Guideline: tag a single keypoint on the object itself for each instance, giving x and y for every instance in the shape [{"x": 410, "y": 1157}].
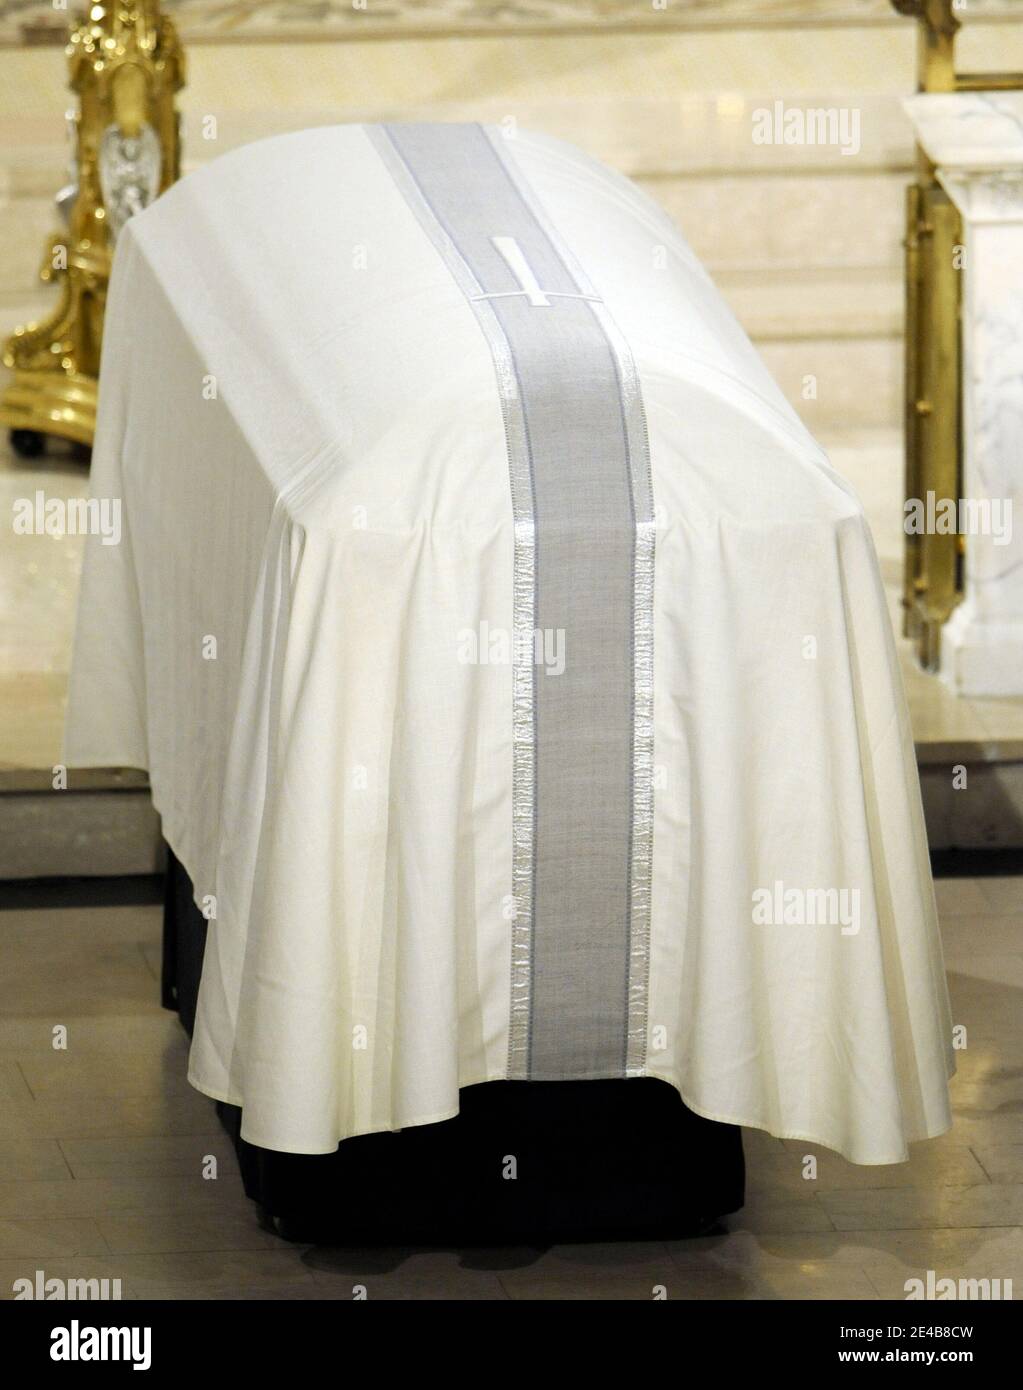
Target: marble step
[
  {"x": 857, "y": 383},
  {"x": 662, "y": 134},
  {"x": 832, "y": 339},
  {"x": 114, "y": 830},
  {"x": 661, "y": 97},
  {"x": 813, "y": 303},
  {"x": 668, "y": 130},
  {"x": 773, "y": 305},
  {"x": 407, "y": 69},
  {"x": 757, "y": 222}
]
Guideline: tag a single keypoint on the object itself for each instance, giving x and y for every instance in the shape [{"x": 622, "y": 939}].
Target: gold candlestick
[{"x": 125, "y": 66}]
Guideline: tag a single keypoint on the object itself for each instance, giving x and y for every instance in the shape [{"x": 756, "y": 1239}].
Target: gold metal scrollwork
[{"x": 126, "y": 66}]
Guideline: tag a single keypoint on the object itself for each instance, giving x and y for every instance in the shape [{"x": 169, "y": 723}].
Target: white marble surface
[{"x": 969, "y": 130}]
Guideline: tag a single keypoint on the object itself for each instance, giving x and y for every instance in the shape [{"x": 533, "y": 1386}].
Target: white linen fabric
[{"x": 381, "y": 802}]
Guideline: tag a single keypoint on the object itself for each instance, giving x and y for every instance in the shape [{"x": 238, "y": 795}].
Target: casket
[
  {"x": 538, "y": 1163},
  {"x": 512, "y": 670}
]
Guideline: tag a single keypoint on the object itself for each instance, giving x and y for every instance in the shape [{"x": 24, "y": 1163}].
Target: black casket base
[{"x": 523, "y": 1162}]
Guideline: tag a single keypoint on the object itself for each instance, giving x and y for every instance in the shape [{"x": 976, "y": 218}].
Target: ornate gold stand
[
  {"x": 932, "y": 578},
  {"x": 125, "y": 66}
]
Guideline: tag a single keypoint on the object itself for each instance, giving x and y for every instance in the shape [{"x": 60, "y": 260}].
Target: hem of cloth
[{"x": 226, "y": 1098}]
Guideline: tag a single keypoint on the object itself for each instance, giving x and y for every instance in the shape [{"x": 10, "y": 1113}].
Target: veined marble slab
[{"x": 970, "y": 131}]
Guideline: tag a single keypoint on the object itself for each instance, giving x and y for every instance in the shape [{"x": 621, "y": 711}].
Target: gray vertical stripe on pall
[{"x": 572, "y": 444}]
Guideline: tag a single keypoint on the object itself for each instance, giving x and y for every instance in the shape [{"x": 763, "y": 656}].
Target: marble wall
[{"x": 28, "y": 21}]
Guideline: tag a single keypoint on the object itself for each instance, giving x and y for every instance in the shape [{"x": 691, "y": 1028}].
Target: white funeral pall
[{"x": 512, "y": 671}]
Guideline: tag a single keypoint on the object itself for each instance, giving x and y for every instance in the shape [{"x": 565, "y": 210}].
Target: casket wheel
[{"x": 27, "y": 444}]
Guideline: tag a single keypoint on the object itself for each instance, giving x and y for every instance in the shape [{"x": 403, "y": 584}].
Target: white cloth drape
[{"x": 299, "y": 414}]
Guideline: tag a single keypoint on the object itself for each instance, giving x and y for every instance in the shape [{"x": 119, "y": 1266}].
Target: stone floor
[{"x": 101, "y": 1147}]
